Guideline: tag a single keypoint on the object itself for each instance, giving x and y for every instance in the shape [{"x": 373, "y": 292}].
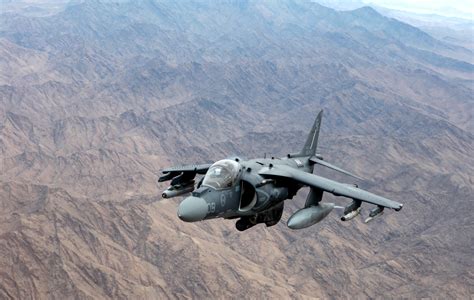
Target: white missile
[
  {"x": 174, "y": 191},
  {"x": 352, "y": 210},
  {"x": 375, "y": 213},
  {"x": 351, "y": 215}
]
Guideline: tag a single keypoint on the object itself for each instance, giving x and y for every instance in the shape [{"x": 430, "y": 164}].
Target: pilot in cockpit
[{"x": 222, "y": 174}]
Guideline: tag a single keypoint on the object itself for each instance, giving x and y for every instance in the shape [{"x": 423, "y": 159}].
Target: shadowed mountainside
[{"x": 97, "y": 97}]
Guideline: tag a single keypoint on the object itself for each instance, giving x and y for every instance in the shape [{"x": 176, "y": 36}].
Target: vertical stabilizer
[{"x": 311, "y": 144}]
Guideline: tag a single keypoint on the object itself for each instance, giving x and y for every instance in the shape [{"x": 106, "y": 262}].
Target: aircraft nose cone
[{"x": 192, "y": 209}]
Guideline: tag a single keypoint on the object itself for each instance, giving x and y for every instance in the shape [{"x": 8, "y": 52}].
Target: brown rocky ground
[{"x": 96, "y": 98}]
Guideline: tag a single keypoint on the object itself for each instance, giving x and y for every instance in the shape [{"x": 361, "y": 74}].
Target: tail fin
[{"x": 311, "y": 144}]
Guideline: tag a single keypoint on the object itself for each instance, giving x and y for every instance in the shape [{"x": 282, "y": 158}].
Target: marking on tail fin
[{"x": 312, "y": 141}]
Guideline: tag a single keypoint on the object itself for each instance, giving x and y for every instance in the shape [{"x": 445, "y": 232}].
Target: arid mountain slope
[{"x": 97, "y": 97}]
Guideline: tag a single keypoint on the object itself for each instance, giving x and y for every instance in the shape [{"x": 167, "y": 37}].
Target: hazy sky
[{"x": 452, "y": 8}]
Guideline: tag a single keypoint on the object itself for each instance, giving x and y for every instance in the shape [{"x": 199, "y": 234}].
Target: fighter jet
[{"x": 254, "y": 190}]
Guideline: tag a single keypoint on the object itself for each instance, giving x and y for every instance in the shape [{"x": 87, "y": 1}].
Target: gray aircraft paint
[{"x": 254, "y": 190}]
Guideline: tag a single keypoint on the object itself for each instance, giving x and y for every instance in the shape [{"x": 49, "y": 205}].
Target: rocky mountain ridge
[{"x": 97, "y": 98}]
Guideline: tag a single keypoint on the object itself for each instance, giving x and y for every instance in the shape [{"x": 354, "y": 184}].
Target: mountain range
[{"x": 97, "y": 96}]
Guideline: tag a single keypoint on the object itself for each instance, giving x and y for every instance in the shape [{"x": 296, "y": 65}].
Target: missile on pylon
[
  {"x": 178, "y": 190},
  {"x": 352, "y": 210},
  {"x": 374, "y": 213}
]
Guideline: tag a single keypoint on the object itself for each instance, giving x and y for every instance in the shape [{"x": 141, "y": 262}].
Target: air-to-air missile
[
  {"x": 374, "y": 213},
  {"x": 352, "y": 210},
  {"x": 176, "y": 190}
]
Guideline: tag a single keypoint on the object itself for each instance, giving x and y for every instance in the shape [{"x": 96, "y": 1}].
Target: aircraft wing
[
  {"x": 192, "y": 170},
  {"x": 328, "y": 185},
  {"x": 321, "y": 162}
]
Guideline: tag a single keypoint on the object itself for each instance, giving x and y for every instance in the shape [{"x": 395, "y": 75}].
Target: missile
[
  {"x": 374, "y": 213},
  {"x": 177, "y": 190},
  {"x": 351, "y": 215},
  {"x": 352, "y": 210},
  {"x": 310, "y": 215}
]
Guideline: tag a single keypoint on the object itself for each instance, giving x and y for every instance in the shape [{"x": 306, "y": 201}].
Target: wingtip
[{"x": 399, "y": 207}]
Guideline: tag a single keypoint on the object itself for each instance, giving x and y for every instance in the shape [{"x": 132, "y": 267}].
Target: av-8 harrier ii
[{"x": 254, "y": 190}]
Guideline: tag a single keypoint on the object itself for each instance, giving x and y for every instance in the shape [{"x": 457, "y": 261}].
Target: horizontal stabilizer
[{"x": 316, "y": 160}]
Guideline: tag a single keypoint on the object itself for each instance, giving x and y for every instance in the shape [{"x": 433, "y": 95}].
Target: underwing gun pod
[{"x": 253, "y": 191}]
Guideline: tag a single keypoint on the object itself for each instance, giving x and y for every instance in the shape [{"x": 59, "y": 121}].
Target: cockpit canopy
[{"x": 222, "y": 174}]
